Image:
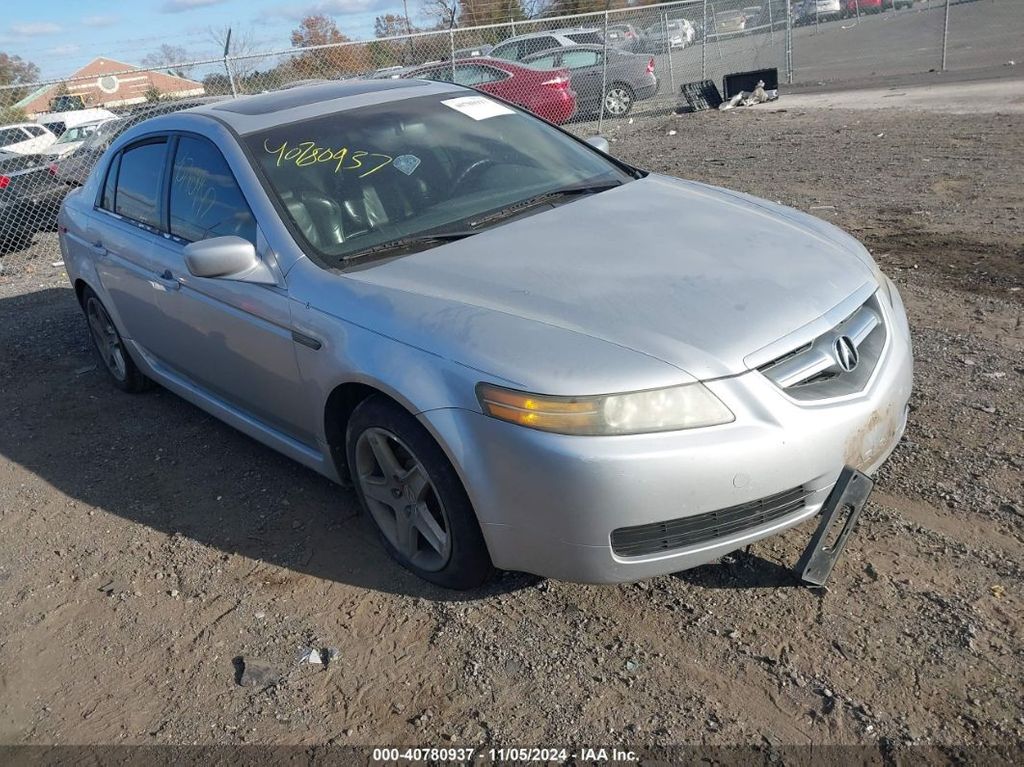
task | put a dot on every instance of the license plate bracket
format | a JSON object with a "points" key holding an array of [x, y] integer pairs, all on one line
{"points": [[842, 507]]}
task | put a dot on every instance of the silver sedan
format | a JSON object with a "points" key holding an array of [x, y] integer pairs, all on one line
{"points": [[520, 351]]}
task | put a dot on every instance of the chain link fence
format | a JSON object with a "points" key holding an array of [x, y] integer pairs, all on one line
{"points": [[578, 71]]}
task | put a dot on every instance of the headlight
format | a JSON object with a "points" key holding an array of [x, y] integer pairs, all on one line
{"points": [[677, 407]]}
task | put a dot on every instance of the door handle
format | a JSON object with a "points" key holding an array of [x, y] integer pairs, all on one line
{"points": [[168, 280], [98, 249]]}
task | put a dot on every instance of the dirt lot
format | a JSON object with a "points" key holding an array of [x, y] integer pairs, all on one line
{"points": [[145, 546]]}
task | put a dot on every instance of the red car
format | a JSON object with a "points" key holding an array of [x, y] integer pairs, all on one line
{"points": [[545, 92], [866, 6]]}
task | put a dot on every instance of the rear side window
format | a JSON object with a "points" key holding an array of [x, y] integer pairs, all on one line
{"points": [[580, 59], [474, 74], [138, 182], [36, 130], [10, 136], [205, 198], [538, 44]]}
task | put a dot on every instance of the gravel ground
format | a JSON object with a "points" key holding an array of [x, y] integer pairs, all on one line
{"points": [[145, 547]]}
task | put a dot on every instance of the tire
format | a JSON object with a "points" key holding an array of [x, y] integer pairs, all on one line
{"points": [[420, 508], [622, 99], [113, 353]]}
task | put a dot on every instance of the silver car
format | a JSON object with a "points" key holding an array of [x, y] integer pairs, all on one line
{"points": [[522, 352]]}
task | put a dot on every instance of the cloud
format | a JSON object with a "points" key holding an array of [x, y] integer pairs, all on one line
{"points": [[96, 22], [297, 11], [35, 29], [181, 6]]}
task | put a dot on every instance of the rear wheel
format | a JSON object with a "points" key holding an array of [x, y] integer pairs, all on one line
{"points": [[618, 100], [110, 346], [410, 490]]}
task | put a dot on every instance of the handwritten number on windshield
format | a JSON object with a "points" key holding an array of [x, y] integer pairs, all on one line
{"points": [[307, 153]]}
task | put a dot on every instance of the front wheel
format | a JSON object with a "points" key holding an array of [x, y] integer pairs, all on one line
{"points": [[410, 490], [618, 100]]}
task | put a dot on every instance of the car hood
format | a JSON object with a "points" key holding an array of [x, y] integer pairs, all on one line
{"points": [[692, 275]]}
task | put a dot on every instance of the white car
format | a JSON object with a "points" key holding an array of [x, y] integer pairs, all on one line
{"points": [[72, 138], [24, 138]]}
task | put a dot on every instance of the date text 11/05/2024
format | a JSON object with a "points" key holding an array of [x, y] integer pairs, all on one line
{"points": [[493, 754]]}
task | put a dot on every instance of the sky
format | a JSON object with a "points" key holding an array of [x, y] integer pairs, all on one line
{"points": [[59, 36]]}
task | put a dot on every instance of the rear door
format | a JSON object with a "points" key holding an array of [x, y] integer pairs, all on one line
{"points": [[125, 237]]}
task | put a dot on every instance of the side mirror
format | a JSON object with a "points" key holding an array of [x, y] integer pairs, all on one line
{"points": [[229, 258], [600, 143]]}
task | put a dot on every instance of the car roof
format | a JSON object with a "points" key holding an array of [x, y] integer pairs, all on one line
{"points": [[529, 36], [566, 49], [252, 113]]}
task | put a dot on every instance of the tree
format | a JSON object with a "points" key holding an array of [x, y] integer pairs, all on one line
{"points": [[242, 44], [169, 58], [321, 30], [392, 25], [217, 84], [14, 70], [153, 94], [441, 12], [474, 13]]}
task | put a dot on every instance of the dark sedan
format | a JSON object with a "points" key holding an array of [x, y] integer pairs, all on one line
{"points": [[30, 198], [629, 79]]}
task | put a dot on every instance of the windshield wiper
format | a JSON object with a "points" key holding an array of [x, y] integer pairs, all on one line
{"points": [[542, 199], [404, 243], [428, 239]]}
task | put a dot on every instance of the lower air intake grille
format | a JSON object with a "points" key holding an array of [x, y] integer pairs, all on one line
{"points": [[690, 531]]}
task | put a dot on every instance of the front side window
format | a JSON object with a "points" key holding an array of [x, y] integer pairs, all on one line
{"points": [[353, 180], [35, 130], [205, 200], [138, 182]]}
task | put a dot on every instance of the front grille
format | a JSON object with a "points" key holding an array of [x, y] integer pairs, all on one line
{"points": [[812, 372], [700, 528]]}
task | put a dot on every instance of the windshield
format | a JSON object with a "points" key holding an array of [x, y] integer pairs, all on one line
{"points": [[78, 133], [104, 134], [416, 167]]}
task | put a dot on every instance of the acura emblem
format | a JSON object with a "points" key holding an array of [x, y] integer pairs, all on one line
{"points": [[846, 353]]}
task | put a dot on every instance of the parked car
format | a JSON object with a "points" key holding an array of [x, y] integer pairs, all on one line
{"points": [[71, 139], [520, 351], [853, 7], [677, 33], [58, 122], [521, 46], [546, 93], [472, 52], [74, 167], [29, 198], [24, 139], [624, 37], [629, 77], [821, 10], [729, 22]]}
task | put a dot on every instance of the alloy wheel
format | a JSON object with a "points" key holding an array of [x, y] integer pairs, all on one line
{"points": [[617, 101], [106, 338], [402, 499]]}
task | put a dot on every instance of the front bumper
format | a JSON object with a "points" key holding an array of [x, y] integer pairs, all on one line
{"points": [[548, 503]]}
